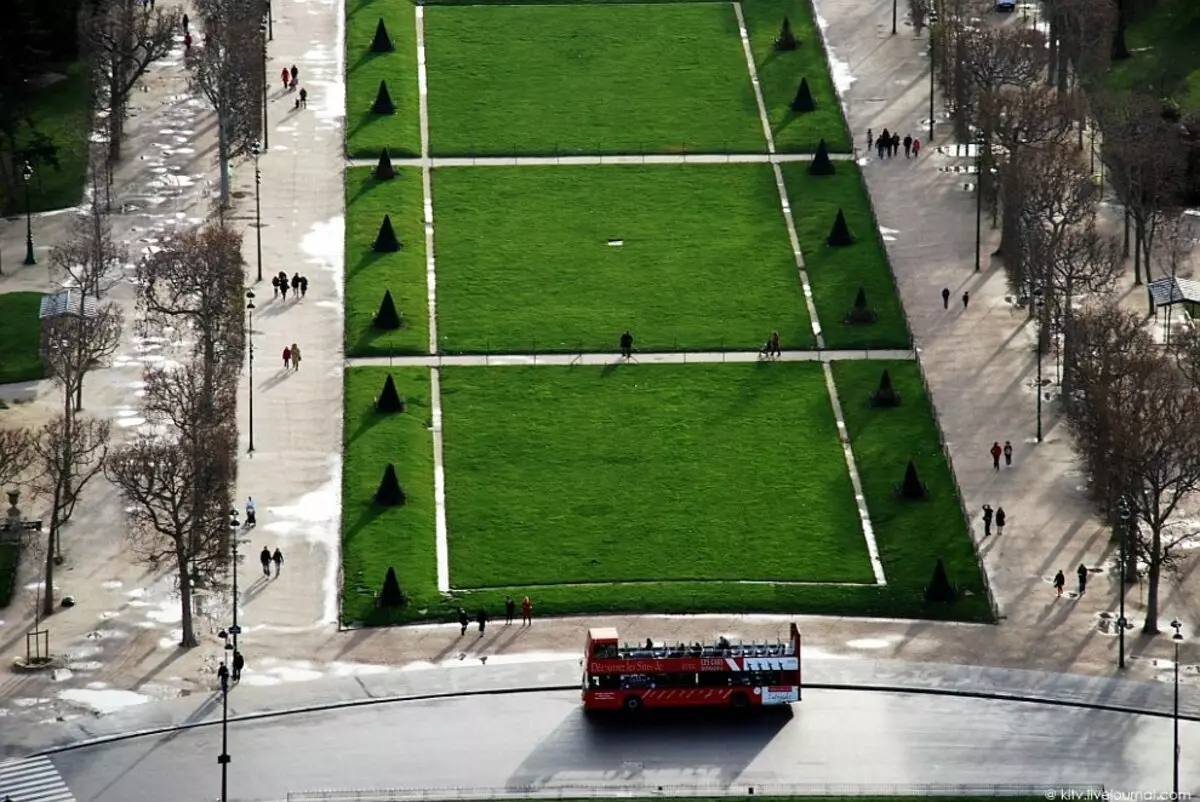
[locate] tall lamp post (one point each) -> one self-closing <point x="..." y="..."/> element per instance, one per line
<point x="250" y="341"/>
<point x="1040" y="303"/>
<point x="27" y="174"/>
<point x="894" y="2"/>
<point x="932" y="69"/>
<point x="978" y="197"/>
<point x="264" y="26"/>
<point x="1125" y="515"/>
<point x="223" y="758"/>
<point x="254" y="149"/>
<point x="1177" y="625"/>
<point x="235" y="525"/>
<point x="270" y="23"/>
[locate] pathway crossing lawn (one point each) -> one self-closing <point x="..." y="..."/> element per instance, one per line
<point x="779" y="76"/>
<point x="369" y="275"/>
<point x="367" y="133"/>
<point x="647" y="473"/>
<point x="524" y="261"/>
<point x="665" y="78"/>
<point x="911" y="535"/>
<point x="837" y="274"/>
<point x="20" y="337"/>
<point x="373" y="538"/>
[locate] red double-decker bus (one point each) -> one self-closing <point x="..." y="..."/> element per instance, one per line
<point x="739" y="675"/>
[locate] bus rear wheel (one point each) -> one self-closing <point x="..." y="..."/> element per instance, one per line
<point x="633" y="704"/>
<point x="740" y="701"/>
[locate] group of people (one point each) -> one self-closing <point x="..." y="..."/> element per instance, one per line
<point x="889" y="143"/>
<point x="771" y="349"/>
<point x="1060" y="580"/>
<point x="266" y="557"/>
<point x="510" y="613"/>
<point x="291" y="82"/>
<point x="997" y="452"/>
<point x="988" y="515"/>
<point x="298" y="284"/>
<point x="291" y="357"/>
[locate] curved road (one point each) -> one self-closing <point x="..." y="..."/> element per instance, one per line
<point x="542" y="739"/>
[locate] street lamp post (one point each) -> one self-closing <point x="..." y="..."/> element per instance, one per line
<point x="1177" y="637"/>
<point x="270" y="23"/>
<point x="264" y="26"/>
<point x="254" y="149"/>
<point x="932" y="70"/>
<point x="250" y="342"/>
<point x="27" y="174"/>
<point x="1125" y="515"/>
<point x="235" y="525"/>
<point x="978" y="198"/>
<point x="223" y="758"/>
<point x="894" y="2"/>
<point x="1040" y="302"/>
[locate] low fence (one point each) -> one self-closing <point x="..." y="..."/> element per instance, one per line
<point x="649" y="357"/>
<point x="1077" y="792"/>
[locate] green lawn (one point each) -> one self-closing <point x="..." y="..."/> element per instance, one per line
<point x="524" y="262"/>
<point x="1165" y="58"/>
<point x="10" y="554"/>
<point x="570" y="475"/>
<point x="20" y="337"/>
<point x="589" y="79"/>
<point x="366" y="133"/>
<point x="779" y="76"/>
<point x="59" y="112"/>
<point x="374" y="539"/>
<point x="369" y="275"/>
<point x="911" y="534"/>
<point x="838" y="273"/>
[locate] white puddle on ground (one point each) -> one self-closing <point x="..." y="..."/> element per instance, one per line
<point x="103" y="702"/>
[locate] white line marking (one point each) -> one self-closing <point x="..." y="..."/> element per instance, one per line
<point x="645" y="358"/>
<point x="626" y="159"/>
<point x="33" y="780"/>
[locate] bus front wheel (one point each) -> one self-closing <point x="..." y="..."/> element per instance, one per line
<point x="740" y="701"/>
<point x="633" y="703"/>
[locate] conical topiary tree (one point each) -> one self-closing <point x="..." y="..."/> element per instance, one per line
<point x="383" y="42"/>
<point x="940" y="590"/>
<point x="389" y="493"/>
<point x="786" y="39"/>
<point x="386" y="241"/>
<point x="861" y="313"/>
<point x="389" y="400"/>
<point x="912" y="487"/>
<point x="821" y="164"/>
<point x="885" y="395"/>
<point x="383" y="101"/>
<point x="392" y="595"/>
<point x="839" y="235"/>
<point x="384" y="170"/>
<point x="804" y="103"/>
<point x="387" y="318"/>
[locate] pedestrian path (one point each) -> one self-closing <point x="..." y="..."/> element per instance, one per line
<point x="643" y="158"/>
<point x="650" y="358"/>
<point x="33" y="780"/>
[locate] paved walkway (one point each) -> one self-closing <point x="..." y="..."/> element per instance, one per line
<point x="564" y="161"/>
<point x="592" y="358"/>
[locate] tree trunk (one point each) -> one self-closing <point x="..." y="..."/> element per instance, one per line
<point x="223" y="156"/>
<point x="188" y="637"/>
<point x="1152" y="575"/>
<point x="1139" y="231"/>
<point x="1053" y="67"/>
<point x="48" y="594"/>
<point x="1125" y="243"/>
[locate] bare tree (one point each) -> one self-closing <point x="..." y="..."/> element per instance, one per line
<point x="230" y="71"/>
<point x="121" y="39"/>
<point x="90" y="257"/>
<point x="16" y="453"/>
<point x="75" y="343"/>
<point x="919" y="11"/>
<point x="69" y="450"/>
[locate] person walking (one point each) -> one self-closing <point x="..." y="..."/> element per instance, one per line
<point x="464" y="621"/>
<point x="626" y="345"/>
<point x="223" y="677"/>
<point x="295" y="285"/>
<point x="185" y="23"/>
<point x="187" y="42"/>
<point x="773" y="344"/>
<point x="870" y="139"/>
<point x="945" y="297"/>
<point x="303" y="98"/>
<point x="1060" y="582"/>
<point x="1000" y="519"/>
<point x="277" y="558"/>
<point x="295" y="76"/>
<point x="295" y="357"/>
<point x="287" y="357"/>
<point x="895" y="144"/>
<point x="996" y="453"/>
<point x="987" y="519"/>
<point x="916" y="148"/>
<point x="251" y="520"/>
<point x="283" y="286"/>
<point x="303" y="286"/>
<point x="275" y="285"/>
<point x="1082" y="573"/>
<point x="286" y="77"/>
<point x="526" y="612"/>
<point x="966" y="298"/>
<point x="264" y="557"/>
<point x="908" y="140"/>
<point x="1008" y="453"/>
<point x="481" y="618"/>
<point x="239" y="663"/>
<point x="510" y="610"/>
<point x="883" y="143"/>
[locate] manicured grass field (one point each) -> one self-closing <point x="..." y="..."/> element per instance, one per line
<point x="837" y="274"/>
<point x="524" y="264"/>
<point x="588" y="79"/>
<point x="367" y="133"/>
<point x="911" y="535"/>
<point x="374" y="538"/>
<point x="1165" y="59"/>
<point x="369" y="274"/>
<point x="20" y="337"/>
<point x="59" y="112"/>
<point x="569" y="475"/>
<point x="779" y="76"/>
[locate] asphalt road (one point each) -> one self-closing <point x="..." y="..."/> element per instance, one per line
<point x="543" y="740"/>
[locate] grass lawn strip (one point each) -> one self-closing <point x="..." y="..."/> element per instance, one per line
<point x="367" y="133"/>
<point x="374" y="538"/>
<point x="524" y="261"/>
<point x="59" y="112"/>
<point x="779" y="77"/>
<point x="565" y="475"/>
<point x="836" y="274"/>
<point x="540" y="80"/>
<point x="369" y="274"/>
<point x="1164" y="53"/>
<point x="911" y="535"/>
<point x="20" y="337"/>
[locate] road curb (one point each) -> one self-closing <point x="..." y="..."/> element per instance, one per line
<point x="383" y="700"/>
